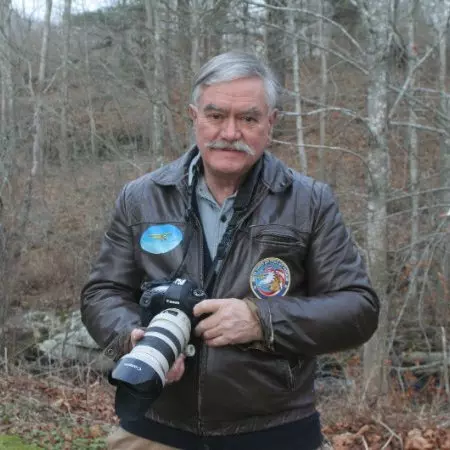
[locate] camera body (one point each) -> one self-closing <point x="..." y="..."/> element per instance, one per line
<point x="180" y="293"/>
<point x="167" y="313"/>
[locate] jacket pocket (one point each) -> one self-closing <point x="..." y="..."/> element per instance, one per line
<point x="250" y="383"/>
<point x="278" y="236"/>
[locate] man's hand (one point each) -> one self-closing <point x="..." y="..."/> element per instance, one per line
<point x="230" y="321"/>
<point x="176" y="371"/>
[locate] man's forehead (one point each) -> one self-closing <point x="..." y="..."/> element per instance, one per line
<point x="248" y="91"/>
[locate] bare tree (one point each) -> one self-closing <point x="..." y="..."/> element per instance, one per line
<point x="296" y="88"/>
<point x="275" y="38"/>
<point x="153" y="26"/>
<point x="245" y="26"/>
<point x="375" y="16"/>
<point x="64" y="148"/>
<point x="88" y="92"/>
<point x="323" y="41"/>
<point x="37" y="92"/>
<point x="8" y="96"/>
<point x="195" y="35"/>
<point x="440" y="15"/>
<point x="413" y="150"/>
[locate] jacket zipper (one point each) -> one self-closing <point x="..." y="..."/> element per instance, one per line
<point x="201" y="349"/>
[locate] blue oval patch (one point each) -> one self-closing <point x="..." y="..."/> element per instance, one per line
<point x="270" y="277"/>
<point x="159" y="239"/>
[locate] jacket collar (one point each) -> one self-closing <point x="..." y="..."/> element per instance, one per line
<point x="275" y="175"/>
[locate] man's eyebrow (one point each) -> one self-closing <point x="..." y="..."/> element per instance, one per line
<point x="253" y="111"/>
<point x="212" y="107"/>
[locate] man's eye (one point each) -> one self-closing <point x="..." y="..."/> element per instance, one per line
<point x="215" y="116"/>
<point x="249" y="119"/>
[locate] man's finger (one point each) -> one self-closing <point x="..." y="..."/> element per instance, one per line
<point x="207" y="307"/>
<point x="211" y="333"/>
<point x="136" y="335"/>
<point x="219" y="341"/>
<point x="177" y="370"/>
<point x="206" y="324"/>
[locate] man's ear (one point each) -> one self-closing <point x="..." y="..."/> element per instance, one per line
<point x="273" y="117"/>
<point x="193" y="112"/>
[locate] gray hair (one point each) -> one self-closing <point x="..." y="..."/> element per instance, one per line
<point x="233" y="65"/>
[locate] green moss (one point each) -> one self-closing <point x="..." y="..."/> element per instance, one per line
<point x="14" y="443"/>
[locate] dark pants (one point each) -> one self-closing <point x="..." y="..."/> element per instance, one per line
<point x="122" y="440"/>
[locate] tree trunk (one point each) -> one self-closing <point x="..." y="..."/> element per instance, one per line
<point x="8" y="99"/>
<point x="445" y="111"/>
<point x="195" y="36"/>
<point x="413" y="157"/>
<point x="184" y="39"/>
<point x="376" y="19"/>
<point x="441" y="25"/>
<point x="4" y="117"/>
<point x="64" y="148"/>
<point x="90" y="107"/>
<point x="245" y="24"/>
<point x="297" y="94"/>
<point x="323" y="94"/>
<point x="275" y="39"/>
<point x="218" y="12"/>
<point x="160" y="98"/>
<point x="37" y="122"/>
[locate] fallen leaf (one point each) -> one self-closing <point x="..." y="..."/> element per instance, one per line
<point x="344" y="441"/>
<point x="415" y="441"/>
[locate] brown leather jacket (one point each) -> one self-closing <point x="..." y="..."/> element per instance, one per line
<point x="326" y="302"/>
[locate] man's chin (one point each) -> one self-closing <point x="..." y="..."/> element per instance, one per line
<point x="228" y="168"/>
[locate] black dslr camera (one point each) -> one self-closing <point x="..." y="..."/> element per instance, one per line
<point x="167" y="313"/>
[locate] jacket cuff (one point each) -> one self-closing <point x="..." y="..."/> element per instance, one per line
<point x="262" y="311"/>
<point x="120" y="345"/>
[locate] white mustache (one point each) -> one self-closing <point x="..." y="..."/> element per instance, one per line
<point x="236" y="145"/>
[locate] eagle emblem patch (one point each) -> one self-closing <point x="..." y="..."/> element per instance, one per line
<point x="270" y="277"/>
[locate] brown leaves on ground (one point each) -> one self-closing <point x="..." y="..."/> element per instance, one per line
<point x="96" y="398"/>
<point x="376" y="437"/>
<point x="57" y="413"/>
<point x="428" y="439"/>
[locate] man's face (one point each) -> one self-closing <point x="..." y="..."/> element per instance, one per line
<point x="229" y="116"/>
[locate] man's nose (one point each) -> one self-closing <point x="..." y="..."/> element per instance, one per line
<point x="230" y="130"/>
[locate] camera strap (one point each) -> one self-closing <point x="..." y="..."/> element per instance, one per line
<point x="240" y="208"/>
<point x="189" y="218"/>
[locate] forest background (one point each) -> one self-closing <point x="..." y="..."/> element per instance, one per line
<point x="90" y="100"/>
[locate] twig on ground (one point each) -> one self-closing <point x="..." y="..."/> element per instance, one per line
<point x="393" y="433"/>
<point x="363" y="439"/>
<point x="387" y="442"/>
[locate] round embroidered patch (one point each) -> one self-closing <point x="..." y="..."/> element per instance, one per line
<point x="161" y="238"/>
<point x="270" y="277"/>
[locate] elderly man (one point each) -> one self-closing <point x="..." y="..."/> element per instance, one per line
<point x="284" y="281"/>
